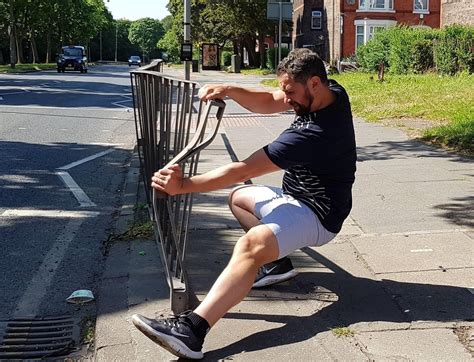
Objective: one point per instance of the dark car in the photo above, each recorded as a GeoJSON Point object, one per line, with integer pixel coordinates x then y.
{"type": "Point", "coordinates": [72, 57]}
{"type": "Point", "coordinates": [134, 60]}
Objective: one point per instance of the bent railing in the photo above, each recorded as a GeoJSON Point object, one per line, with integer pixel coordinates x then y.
{"type": "Point", "coordinates": [172, 126]}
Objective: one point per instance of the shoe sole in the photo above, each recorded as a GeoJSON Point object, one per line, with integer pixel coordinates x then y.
{"type": "Point", "coordinates": [275, 279]}
{"type": "Point", "coordinates": [171, 344]}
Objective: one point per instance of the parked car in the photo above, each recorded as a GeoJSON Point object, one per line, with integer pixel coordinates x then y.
{"type": "Point", "coordinates": [134, 60]}
{"type": "Point", "coordinates": [72, 57]}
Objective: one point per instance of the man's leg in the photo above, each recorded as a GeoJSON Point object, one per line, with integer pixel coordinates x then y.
{"type": "Point", "coordinates": [259, 246]}
{"type": "Point", "coordinates": [242, 205]}
{"type": "Point", "coordinates": [184, 335]}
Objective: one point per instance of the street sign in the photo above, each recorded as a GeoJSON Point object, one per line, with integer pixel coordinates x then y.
{"type": "Point", "coordinates": [273, 10]}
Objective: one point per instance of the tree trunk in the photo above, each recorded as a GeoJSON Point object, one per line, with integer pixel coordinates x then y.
{"type": "Point", "coordinates": [261, 50]}
{"type": "Point", "coordinates": [250, 46]}
{"type": "Point", "coordinates": [48, 46]}
{"type": "Point", "coordinates": [2, 60]}
{"type": "Point", "coordinates": [34, 48]}
{"type": "Point", "coordinates": [19, 48]}
{"type": "Point", "coordinates": [13, 54]}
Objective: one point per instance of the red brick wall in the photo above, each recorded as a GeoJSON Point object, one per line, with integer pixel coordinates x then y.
{"type": "Point", "coordinates": [403, 14]}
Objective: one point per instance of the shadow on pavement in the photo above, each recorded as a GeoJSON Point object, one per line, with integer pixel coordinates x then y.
{"type": "Point", "coordinates": [355, 300]}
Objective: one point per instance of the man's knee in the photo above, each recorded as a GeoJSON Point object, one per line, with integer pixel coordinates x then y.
{"type": "Point", "coordinates": [242, 198]}
{"type": "Point", "coordinates": [258, 244]}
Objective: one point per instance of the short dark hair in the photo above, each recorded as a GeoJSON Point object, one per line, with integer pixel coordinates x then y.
{"type": "Point", "coordinates": [302, 64]}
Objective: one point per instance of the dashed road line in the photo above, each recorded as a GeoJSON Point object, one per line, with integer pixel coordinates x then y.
{"type": "Point", "coordinates": [84, 160]}
{"type": "Point", "coordinates": [81, 196]}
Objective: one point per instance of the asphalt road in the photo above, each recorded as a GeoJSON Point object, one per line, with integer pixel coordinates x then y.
{"type": "Point", "coordinates": [65, 143]}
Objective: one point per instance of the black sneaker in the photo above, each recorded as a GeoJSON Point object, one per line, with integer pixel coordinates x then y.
{"type": "Point", "coordinates": [174, 334]}
{"type": "Point", "coordinates": [275, 272]}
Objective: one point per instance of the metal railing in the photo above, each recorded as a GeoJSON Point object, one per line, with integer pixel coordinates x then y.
{"type": "Point", "coordinates": [172, 127]}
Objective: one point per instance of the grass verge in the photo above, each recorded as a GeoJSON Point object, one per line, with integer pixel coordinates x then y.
{"type": "Point", "coordinates": [256, 71]}
{"type": "Point", "coordinates": [19, 68]}
{"type": "Point", "coordinates": [447, 102]}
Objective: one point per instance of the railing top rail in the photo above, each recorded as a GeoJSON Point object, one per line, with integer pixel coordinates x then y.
{"type": "Point", "coordinates": [158, 74]}
{"type": "Point", "coordinates": [155, 63]}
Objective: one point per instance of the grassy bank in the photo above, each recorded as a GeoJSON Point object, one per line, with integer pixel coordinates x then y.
{"type": "Point", "coordinates": [448, 102]}
{"type": "Point", "coordinates": [26, 67]}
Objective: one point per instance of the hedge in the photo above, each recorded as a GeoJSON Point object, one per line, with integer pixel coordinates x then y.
{"type": "Point", "coordinates": [417, 50]}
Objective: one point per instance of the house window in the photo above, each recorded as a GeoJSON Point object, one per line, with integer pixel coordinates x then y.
{"type": "Point", "coordinates": [376, 5]}
{"type": "Point", "coordinates": [316, 20]}
{"type": "Point", "coordinates": [421, 6]}
{"type": "Point", "coordinates": [366, 29]}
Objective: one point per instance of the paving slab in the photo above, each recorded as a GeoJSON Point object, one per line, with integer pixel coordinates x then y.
{"type": "Point", "coordinates": [415, 252]}
{"type": "Point", "coordinates": [438, 296]}
{"type": "Point", "coordinates": [414, 345]}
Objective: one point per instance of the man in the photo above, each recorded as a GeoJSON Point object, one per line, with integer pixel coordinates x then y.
{"type": "Point", "coordinates": [318, 155]}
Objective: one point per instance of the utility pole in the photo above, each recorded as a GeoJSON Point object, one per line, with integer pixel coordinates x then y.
{"type": "Point", "coordinates": [187, 36]}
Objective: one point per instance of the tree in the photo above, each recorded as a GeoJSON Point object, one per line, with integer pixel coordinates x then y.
{"type": "Point", "coordinates": [146, 33]}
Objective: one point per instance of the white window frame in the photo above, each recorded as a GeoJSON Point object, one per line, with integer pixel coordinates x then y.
{"type": "Point", "coordinates": [371, 6]}
{"type": "Point", "coordinates": [423, 10]}
{"type": "Point", "coordinates": [316, 14]}
{"type": "Point", "coordinates": [369, 27]}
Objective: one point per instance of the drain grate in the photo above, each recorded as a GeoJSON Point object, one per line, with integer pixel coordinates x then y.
{"type": "Point", "coordinates": [37, 338]}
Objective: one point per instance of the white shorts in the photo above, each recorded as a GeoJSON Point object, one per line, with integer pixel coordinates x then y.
{"type": "Point", "coordinates": [293, 223]}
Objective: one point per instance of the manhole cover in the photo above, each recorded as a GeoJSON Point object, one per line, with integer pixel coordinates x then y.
{"type": "Point", "coordinates": [37, 338]}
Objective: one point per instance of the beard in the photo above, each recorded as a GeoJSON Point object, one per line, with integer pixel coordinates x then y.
{"type": "Point", "coordinates": [302, 109]}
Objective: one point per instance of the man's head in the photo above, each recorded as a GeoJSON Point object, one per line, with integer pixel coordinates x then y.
{"type": "Point", "coordinates": [302, 76]}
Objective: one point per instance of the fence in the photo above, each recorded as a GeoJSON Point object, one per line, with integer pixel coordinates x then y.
{"type": "Point", "coordinates": [172, 126]}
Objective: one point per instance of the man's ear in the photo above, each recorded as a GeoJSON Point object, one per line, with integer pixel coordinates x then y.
{"type": "Point", "coordinates": [314, 83]}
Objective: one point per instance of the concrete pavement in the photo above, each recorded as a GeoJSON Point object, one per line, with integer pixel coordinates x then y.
{"type": "Point", "coordinates": [396, 284]}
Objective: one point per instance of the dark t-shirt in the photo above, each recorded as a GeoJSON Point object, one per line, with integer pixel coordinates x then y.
{"type": "Point", "coordinates": [318, 154]}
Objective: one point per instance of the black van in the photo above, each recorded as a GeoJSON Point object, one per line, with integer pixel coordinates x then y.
{"type": "Point", "coordinates": [72, 57]}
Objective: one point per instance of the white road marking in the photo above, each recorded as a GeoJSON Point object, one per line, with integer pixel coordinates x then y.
{"type": "Point", "coordinates": [22, 128]}
{"type": "Point", "coordinates": [84, 160]}
{"type": "Point", "coordinates": [68, 108]}
{"type": "Point", "coordinates": [80, 195]}
{"type": "Point", "coordinates": [420, 250]}
{"type": "Point", "coordinates": [128, 98]}
{"type": "Point", "coordinates": [49, 213]}
{"type": "Point", "coordinates": [1, 98]}
{"type": "Point", "coordinates": [41, 281]}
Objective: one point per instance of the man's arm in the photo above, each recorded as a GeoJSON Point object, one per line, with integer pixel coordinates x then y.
{"type": "Point", "coordinates": [257, 101]}
{"type": "Point", "coordinates": [171, 180]}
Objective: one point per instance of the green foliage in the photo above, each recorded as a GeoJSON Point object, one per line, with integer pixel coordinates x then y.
{"type": "Point", "coordinates": [272, 54]}
{"type": "Point", "coordinates": [422, 56]}
{"type": "Point", "coordinates": [374, 52]}
{"type": "Point", "coordinates": [453, 50]}
{"type": "Point", "coordinates": [226, 58]}
{"type": "Point", "coordinates": [171, 46]}
{"type": "Point", "coordinates": [406, 50]}
{"type": "Point", "coordinates": [146, 33]}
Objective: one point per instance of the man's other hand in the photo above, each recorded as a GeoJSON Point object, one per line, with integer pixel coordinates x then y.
{"type": "Point", "coordinates": [213, 91]}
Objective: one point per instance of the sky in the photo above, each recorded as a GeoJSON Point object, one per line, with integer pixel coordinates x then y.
{"type": "Point", "coordinates": [137, 9]}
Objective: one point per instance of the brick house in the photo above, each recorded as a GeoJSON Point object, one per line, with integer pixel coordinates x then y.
{"type": "Point", "coordinates": [335, 28]}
